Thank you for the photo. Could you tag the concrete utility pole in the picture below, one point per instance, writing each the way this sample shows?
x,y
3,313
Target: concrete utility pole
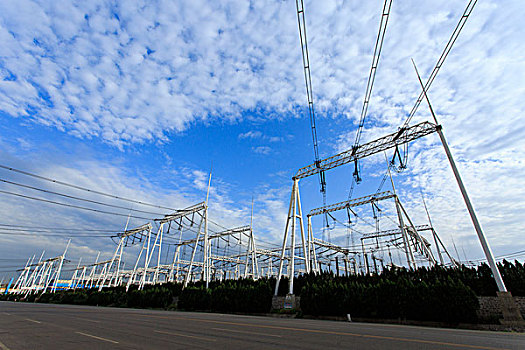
x,y
511,313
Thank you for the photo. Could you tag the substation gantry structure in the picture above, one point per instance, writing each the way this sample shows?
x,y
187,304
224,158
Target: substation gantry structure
x,y
91,275
198,254
295,215
228,254
225,266
397,238
358,151
41,276
141,234
403,136
409,240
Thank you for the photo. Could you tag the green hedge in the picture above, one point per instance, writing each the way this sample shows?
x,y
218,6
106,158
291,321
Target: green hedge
x,y
230,296
447,301
479,278
437,294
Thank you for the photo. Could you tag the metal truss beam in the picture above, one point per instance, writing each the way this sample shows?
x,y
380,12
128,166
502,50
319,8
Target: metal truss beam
x,y
140,229
393,232
414,233
100,263
183,212
267,252
228,232
332,246
404,135
352,203
235,260
241,229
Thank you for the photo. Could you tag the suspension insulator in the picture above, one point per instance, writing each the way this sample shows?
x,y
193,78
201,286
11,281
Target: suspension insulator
x,y
356,172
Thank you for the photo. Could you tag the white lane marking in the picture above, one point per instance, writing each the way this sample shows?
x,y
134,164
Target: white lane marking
x,y
87,319
7,313
245,332
99,338
3,347
35,321
185,335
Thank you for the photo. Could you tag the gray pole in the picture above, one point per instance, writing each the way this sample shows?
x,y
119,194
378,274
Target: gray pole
x,y
473,217
477,226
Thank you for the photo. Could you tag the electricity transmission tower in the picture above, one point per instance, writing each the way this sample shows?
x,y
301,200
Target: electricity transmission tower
x,y
403,136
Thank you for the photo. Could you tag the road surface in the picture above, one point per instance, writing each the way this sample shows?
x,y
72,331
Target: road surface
x,y
26,326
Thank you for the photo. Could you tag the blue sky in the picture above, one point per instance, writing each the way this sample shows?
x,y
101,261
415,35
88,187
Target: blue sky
x,y
143,99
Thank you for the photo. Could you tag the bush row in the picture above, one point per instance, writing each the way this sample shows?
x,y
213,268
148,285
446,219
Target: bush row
x,y
230,296
437,293
479,279
402,298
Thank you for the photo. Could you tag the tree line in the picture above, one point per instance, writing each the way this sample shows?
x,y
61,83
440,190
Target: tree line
x,y
432,294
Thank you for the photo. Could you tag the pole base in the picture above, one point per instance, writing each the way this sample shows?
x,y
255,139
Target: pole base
x,y
511,313
288,302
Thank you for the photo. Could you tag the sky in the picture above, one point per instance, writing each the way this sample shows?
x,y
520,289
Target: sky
x,y
144,99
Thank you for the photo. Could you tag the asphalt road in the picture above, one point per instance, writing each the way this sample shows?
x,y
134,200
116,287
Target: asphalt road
x,y
45,326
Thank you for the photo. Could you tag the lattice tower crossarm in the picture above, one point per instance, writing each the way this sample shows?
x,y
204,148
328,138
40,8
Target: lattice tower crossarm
x,y
232,231
183,212
406,230
332,246
404,135
385,233
352,203
134,231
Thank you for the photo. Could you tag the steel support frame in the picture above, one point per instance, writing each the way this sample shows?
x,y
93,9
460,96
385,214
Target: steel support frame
x,y
404,135
294,213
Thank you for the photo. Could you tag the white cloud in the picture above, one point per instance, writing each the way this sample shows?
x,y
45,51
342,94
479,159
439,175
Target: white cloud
x,y
251,135
225,208
157,68
257,135
152,70
262,150
133,73
163,67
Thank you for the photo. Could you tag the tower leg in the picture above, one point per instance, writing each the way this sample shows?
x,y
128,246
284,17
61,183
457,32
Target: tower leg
x,y
285,239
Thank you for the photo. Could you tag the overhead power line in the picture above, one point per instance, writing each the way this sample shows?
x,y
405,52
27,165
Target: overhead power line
x,y
83,188
72,206
55,228
501,257
385,14
441,60
301,20
373,69
76,198
40,234
12,229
